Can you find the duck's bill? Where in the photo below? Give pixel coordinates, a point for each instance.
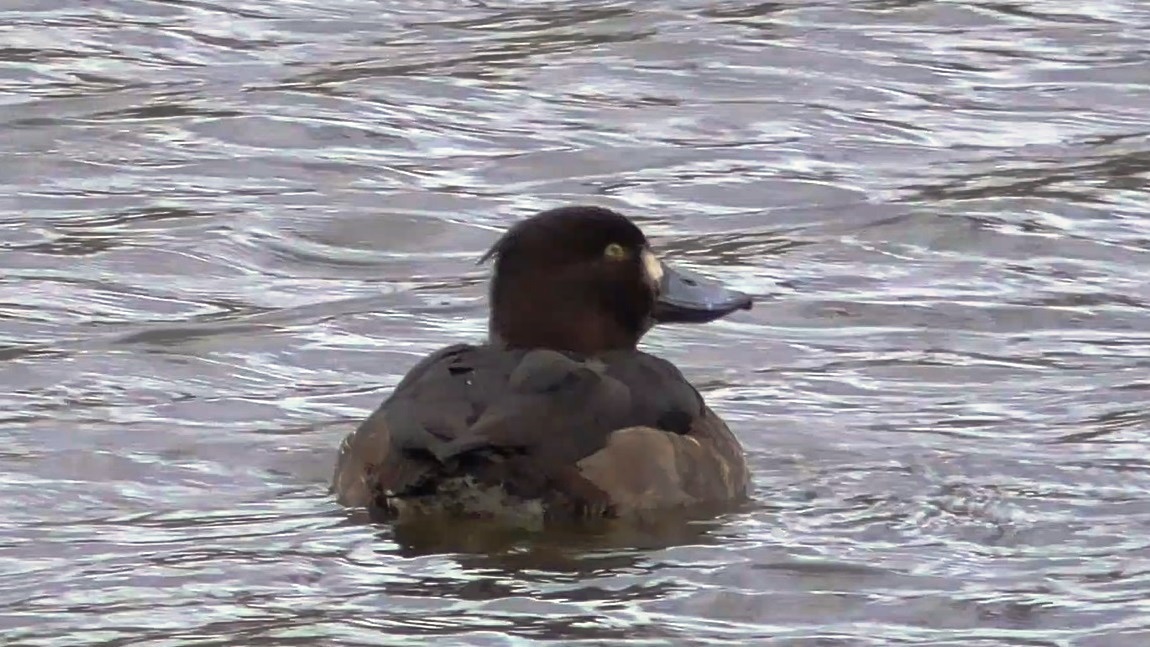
(689, 298)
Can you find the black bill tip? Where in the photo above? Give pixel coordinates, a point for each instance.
(689, 298)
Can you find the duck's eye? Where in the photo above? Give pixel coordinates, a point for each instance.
(615, 252)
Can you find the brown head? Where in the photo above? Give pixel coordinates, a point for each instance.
(584, 279)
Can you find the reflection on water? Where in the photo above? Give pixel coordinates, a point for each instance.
(226, 230)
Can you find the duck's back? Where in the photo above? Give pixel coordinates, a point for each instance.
(544, 431)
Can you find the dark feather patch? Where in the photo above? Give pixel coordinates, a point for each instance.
(522, 419)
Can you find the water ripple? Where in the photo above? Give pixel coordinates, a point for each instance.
(227, 230)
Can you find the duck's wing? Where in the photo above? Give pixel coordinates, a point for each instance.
(688, 457)
(626, 431)
(373, 454)
(643, 468)
(519, 418)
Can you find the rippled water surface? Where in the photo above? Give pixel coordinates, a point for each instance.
(227, 229)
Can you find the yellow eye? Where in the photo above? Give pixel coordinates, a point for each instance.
(615, 252)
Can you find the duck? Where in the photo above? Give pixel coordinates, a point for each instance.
(557, 415)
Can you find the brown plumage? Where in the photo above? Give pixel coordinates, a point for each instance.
(558, 415)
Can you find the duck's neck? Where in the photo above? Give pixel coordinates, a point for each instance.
(558, 319)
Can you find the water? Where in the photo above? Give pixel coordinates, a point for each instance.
(228, 229)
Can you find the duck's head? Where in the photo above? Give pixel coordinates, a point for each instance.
(584, 279)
